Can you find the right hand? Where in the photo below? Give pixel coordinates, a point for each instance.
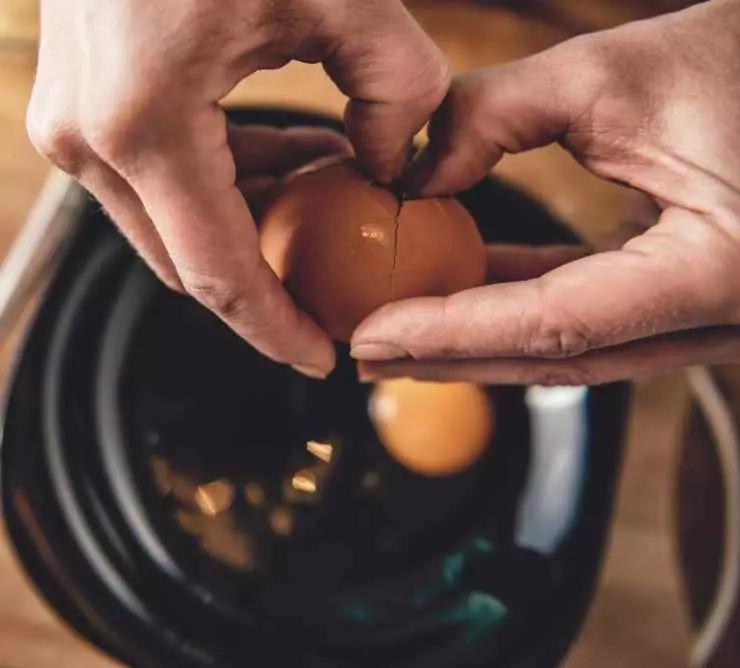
(126, 100)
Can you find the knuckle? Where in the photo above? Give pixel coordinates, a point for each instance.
(559, 342)
(170, 279)
(57, 140)
(236, 296)
(116, 135)
(221, 296)
(471, 113)
(227, 298)
(426, 77)
(108, 138)
(442, 332)
(555, 334)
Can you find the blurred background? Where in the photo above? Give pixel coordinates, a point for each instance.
(663, 558)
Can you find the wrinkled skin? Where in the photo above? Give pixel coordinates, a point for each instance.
(652, 104)
(126, 100)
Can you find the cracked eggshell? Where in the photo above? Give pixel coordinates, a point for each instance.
(340, 246)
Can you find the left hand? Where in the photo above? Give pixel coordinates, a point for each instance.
(652, 104)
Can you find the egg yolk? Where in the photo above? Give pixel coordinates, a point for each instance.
(434, 429)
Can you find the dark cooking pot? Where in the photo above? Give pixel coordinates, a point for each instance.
(151, 470)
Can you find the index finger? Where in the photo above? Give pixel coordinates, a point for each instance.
(188, 186)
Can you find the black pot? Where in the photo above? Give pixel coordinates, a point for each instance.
(129, 401)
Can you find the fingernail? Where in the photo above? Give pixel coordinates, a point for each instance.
(311, 371)
(377, 352)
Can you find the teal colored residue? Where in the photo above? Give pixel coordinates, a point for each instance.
(485, 606)
(482, 545)
(451, 572)
(475, 613)
(452, 567)
(358, 612)
(480, 613)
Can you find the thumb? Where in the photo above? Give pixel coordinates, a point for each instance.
(508, 108)
(657, 284)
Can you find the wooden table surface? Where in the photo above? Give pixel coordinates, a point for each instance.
(637, 619)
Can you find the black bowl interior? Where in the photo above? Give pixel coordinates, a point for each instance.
(160, 491)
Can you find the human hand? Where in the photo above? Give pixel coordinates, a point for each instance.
(652, 104)
(126, 100)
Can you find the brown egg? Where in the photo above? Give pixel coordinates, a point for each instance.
(435, 429)
(344, 246)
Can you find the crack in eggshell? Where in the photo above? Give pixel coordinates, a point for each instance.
(344, 246)
(396, 230)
